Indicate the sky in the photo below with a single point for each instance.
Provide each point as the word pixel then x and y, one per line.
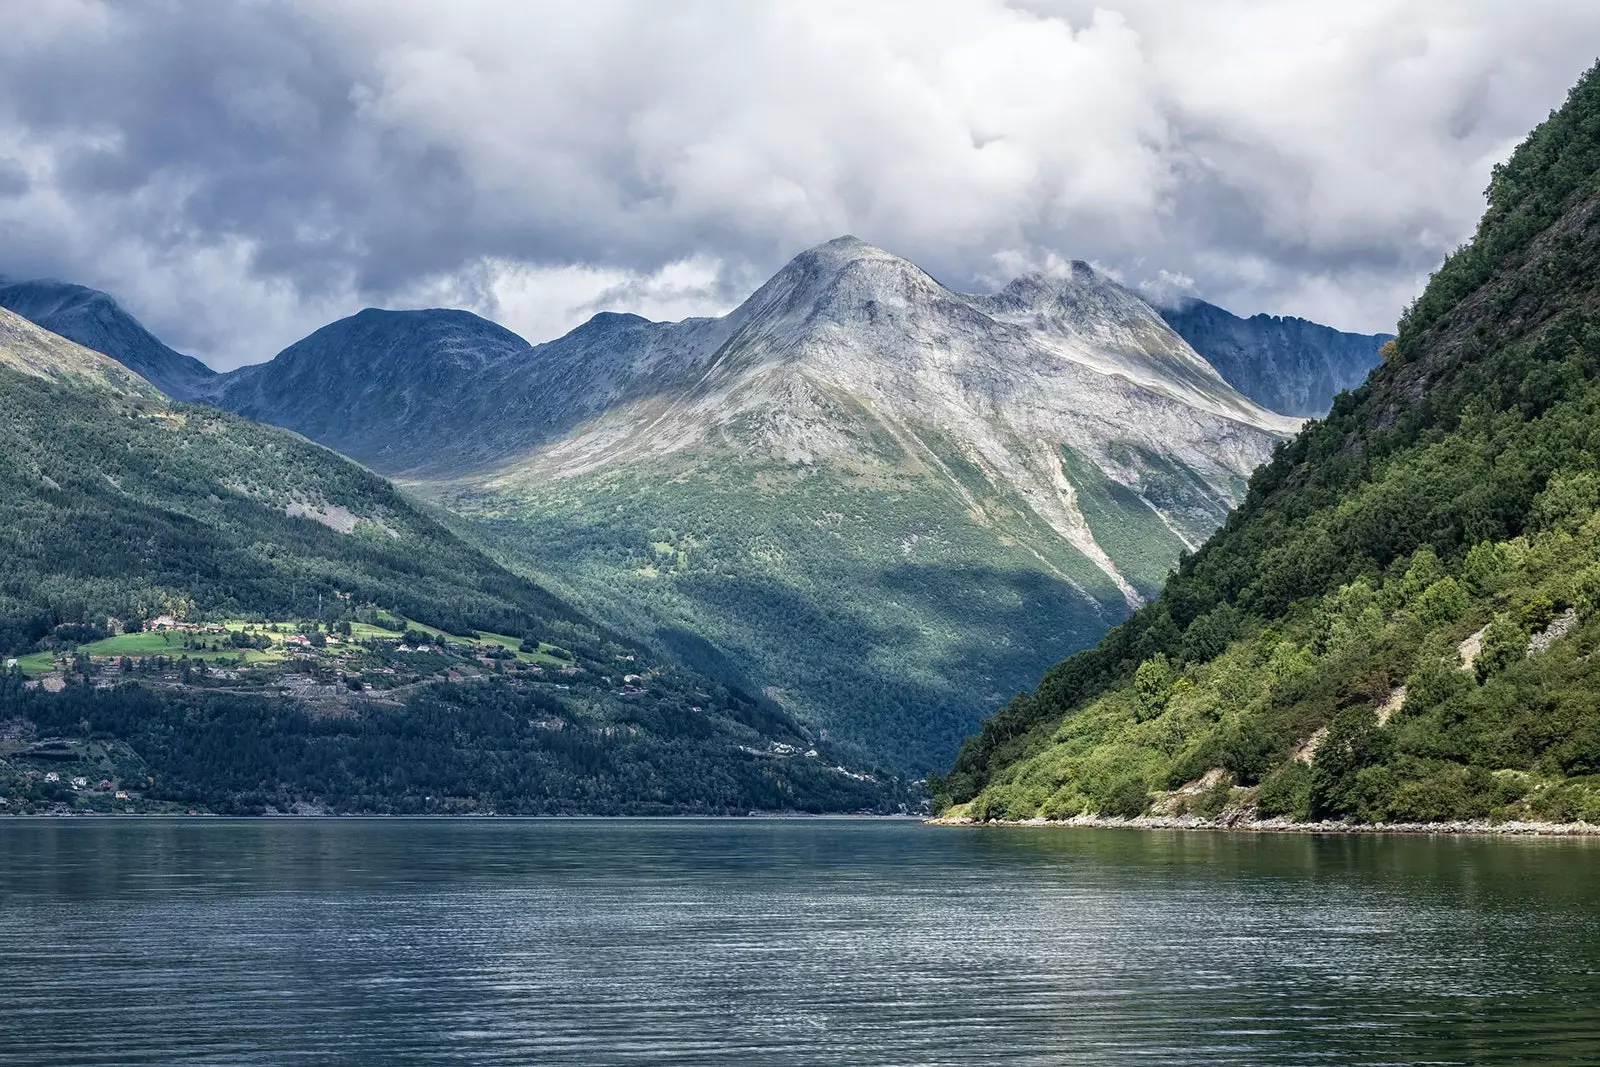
pixel 238 174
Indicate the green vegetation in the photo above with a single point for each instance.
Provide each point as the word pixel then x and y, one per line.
pixel 876 606
pixel 327 642
pixel 130 508
pixel 449 749
pixel 1453 496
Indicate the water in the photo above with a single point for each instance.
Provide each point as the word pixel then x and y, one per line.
pixel 380 942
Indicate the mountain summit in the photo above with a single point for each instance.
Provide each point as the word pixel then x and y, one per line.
pixel 883 500
pixel 385 384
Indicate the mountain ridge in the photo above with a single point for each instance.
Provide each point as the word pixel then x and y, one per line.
pixel 95 320
pixel 1284 363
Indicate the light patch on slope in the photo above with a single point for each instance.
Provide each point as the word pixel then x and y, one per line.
pixel 333 516
pixel 1166 521
pixel 1067 519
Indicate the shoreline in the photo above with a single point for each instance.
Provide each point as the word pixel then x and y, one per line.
pixel 1460 828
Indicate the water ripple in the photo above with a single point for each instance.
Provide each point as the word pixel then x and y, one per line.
pixel 785 943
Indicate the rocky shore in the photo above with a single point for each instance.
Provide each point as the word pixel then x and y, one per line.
pixel 1240 822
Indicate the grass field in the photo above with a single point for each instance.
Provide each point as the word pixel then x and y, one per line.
pixel 171 643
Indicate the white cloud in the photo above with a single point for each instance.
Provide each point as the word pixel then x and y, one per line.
pixel 237 174
pixel 543 302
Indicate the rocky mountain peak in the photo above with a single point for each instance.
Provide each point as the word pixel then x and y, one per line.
pixel 843 280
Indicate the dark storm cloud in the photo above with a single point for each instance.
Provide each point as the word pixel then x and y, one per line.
pixel 240 173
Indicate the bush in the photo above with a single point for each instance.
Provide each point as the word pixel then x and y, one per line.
pixel 1286 793
pixel 1443 601
pixel 1353 745
pixel 1127 796
pixel 1504 643
pixel 1214 800
pixel 1448 793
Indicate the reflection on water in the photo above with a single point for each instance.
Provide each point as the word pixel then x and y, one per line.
pixel 786 942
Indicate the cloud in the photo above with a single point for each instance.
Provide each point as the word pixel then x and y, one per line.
pixel 239 174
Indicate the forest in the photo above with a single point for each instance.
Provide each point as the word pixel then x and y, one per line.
pixel 419 681
pixel 1322 649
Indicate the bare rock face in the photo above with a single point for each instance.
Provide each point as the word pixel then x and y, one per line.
pixel 1056 378
pixel 1059 378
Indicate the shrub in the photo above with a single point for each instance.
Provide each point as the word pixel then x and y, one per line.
pixel 1447 793
pixel 1443 601
pixel 1286 792
pixel 1486 566
pixel 1353 745
pixel 1127 796
pixel 1214 800
pixel 1504 643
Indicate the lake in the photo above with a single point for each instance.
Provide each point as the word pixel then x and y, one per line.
pixel 786 942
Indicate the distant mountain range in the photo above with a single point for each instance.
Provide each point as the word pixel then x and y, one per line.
pixel 1285 364
pixel 889 503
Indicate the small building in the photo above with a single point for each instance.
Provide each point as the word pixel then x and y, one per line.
pixel 52 777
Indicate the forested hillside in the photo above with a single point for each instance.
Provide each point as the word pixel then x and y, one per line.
pixel 208 612
pixel 1399 622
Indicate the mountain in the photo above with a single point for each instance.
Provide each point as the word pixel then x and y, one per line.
pixel 1284 363
pixel 96 321
pixel 886 503
pixel 28 350
pixel 1399 622
pixel 214 613
pixel 397 389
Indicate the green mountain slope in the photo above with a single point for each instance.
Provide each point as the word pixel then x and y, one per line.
pixel 119 507
pixel 27 349
pixel 1399 621
pixel 870 600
